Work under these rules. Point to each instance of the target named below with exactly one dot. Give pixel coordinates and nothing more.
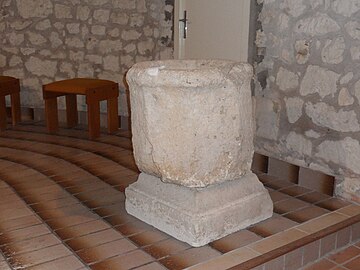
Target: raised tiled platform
(62, 207)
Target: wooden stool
(9, 86)
(94, 90)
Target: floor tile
(306, 213)
(39, 256)
(166, 248)
(82, 229)
(127, 261)
(107, 250)
(272, 226)
(69, 263)
(189, 257)
(148, 237)
(235, 240)
(333, 204)
(289, 205)
(32, 244)
(323, 264)
(353, 264)
(345, 255)
(23, 234)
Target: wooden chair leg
(2, 113)
(112, 115)
(93, 119)
(71, 111)
(15, 108)
(51, 114)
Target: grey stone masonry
(308, 86)
(46, 40)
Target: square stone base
(198, 216)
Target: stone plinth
(192, 131)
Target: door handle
(185, 24)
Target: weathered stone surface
(130, 35)
(298, 144)
(82, 12)
(96, 59)
(319, 80)
(111, 62)
(267, 118)
(192, 93)
(20, 24)
(2, 60)
(98, 30)
(73, 28)
(97, 2)
(145, 47)
(355, 53)
(344, 98)
(346, 7)
(345, 153)
(332, 52)
(15, 72)
(40, 67)
(320, 24)
(74, 42)
(108, 46)
(76, 56)
(194, 177)
(34, 8)
(353, 29)
(63, 11)
(347, 78)
(357, 90)
(302, 51)
(85, 70)
(312, 134)
(294, 7)
(327, 116)
(14, 61)
(136, 20)
(199, 216)
(348, 188)
(141, 6)
(102, 15)
(315, 3)
(294, 108)
(55, 40)
(16, 39)
(35, 38)
(119, 18)
(68, 69)
(43, 25)
(286, 79)
(124, 4)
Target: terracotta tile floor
(62, 207)
(347, 258)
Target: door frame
(244, 28)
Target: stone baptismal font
(192, 128)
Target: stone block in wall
(267, 118)
(34, 8)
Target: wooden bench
(95, 91)
(9, 86)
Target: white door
(215, 29)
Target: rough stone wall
(308, 86)
(46, 40)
